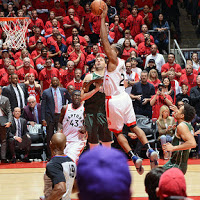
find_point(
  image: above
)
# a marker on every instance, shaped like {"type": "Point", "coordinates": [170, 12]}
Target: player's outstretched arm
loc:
{"type": "Point", "coordinates": [111, 54]}
{"type": "Point", "coordinates": [186, 135]}
{"type": "Point", "coordinates": [85, 94]}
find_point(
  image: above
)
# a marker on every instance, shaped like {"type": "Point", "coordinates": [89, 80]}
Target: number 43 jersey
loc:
{"type": "Point", "coordinates": [72, 122]}
{"type": "Point", "coordinates": [114, 81]}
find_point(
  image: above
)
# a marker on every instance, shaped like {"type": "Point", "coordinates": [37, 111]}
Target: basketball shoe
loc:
{"type": "Point", "coordinates": [138, 164]}
{"type": "Point", "coordinates": [153, 156]}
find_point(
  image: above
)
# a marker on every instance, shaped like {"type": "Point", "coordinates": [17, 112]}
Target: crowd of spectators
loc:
{"type": "Point", "coordinates": [62, 44]}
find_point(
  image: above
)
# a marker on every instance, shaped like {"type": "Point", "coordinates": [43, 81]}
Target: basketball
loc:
{"type": "Point", "coordinates": [97, 7]}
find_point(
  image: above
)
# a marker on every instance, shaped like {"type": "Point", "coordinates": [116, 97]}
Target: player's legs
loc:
{"type": "Point", "coordinates": [74, 149]}
{"type": "Point", "coordinates": [130, 120]}
{"type": "Point", "coordinates": [151, 154]}
{"type": "Point", "coordinates": [140, 134]}
{"type": "Point", "coordinates": [105, 135]}
{"type": "Point", "coordinates": [126, 147]}
{"type": "Point", "coordinates": [115, 118]}
{"type": "Point", "coordinates": [91, 128]}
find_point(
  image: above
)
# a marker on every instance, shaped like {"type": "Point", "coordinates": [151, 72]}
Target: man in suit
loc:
{"type": "Point", "coordinates": [32, 112]}
{"type": "Point", "coordinates": [18, 136]}
{"type": "Point", "coordinates": [53, 99]}
{"type": "Point", "coordinates": [16, 93]}
{"type": "Point", "coordinates": [5, 122]}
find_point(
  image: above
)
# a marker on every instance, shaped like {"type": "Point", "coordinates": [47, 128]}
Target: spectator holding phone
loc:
{"type": "Point", "coordinates": [160, 99]}
{"type": "Point", "coordinates": [166, 128]}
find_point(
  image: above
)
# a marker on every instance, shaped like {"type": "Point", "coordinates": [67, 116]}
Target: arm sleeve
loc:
{"type": "Point", "coordinates": [55, 172]}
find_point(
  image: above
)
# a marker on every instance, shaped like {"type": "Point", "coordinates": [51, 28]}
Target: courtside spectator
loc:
{"type": "Point", "coordinates": [42, 7]}
{"type": "Point", "coordinates": [4, 80]}
{"type": "Point", "coordinates": [127, 35]}
{"type": "Point", "coordinates": [195, 61]}
{"type": "Point", "coordinates": [69, 22]}
{"type": "Point", "coordinates": [184, 97]}
{"type": "Point", "coordinates": [158, 58]}
{"type": "Point", "coordinates": [33, 87]}
{"type": "Point", "coordinates": [189, 78]}
{"type": "Point", "coordinates": [117, 28]}
{"type": "Point", "coordinates": [78, 57]}
{"type": "Point", "coordinates": [159, 99]}
{"type": "Point", "coordinates": [20, 60]}
{"type": "Point", "coordinates": [127, 49]}
{"type": "Point", "coordinates": [34, 39]}
{"type": "Point", "coordinates": [18, 136]}
{"type": "Point", "coordinates": [16, 93]}
{"type": "Point", "coordinates": [139, 38]}
{"type": "Point", "coordinates": [79, 12]}
{"type": "Point", "coordinates": [134, 22]}
{"type": "Point", "coordinates": [59, 10]}
{"type": "Point", "coordinates": [171, 65]}
{"type": "Point", "coordinates": [68, 74]}
{"type": "Point", "coordinates": [161, 36]}
{"type": "Point", "coordinates": [131, 77]}
{"type": "Point", "coordinates": [49, 22]}
{"type": "Point", "coordinates": [47, 74]}
{"type": "Point", "coordinates": [107, 180]}
{"type": "Point", "coordinates": [147, 15]}
{"type": "Point", "coordinates": [151, 182]}
{"type": "Point", "coordinates": [172, 184]}
{"type": "Point", "coordinates": [40, 62]}
{"type": "Point", "coordinates": [195, 96]}
{"type": "Point", "coordinates": [142, 92]}
{"type": "Point", "coordinates": [25, 69]}
{"type": "Point", "coordinates": [35, 21]}
{"type": "Point", "coordinates": [77, 82]}
{"type": "Point", "coordinates": [37, 52]}
{"type": "Point", "coordinates": [32, 112]}
{"type": "Point", "coordinates": [134, 63]}
{"type": "Point", "coordinates": [123, 12]}
{"type": "Point", "coordinates": [153, 79]}
{"type": "Point", "coordinates": [81, 38]}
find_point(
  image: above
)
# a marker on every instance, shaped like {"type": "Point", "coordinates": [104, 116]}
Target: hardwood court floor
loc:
{"type": "Point", "coordinates": [27, 183]}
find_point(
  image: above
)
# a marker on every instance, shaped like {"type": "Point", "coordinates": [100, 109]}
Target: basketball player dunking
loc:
{"type": "Point", "coordinates": [119, 107]}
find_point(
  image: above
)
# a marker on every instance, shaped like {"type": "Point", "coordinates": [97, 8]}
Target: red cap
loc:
{"type": "Point", "coordinates": [172, 183]}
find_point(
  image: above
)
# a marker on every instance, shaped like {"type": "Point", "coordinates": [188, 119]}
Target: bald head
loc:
{"type": "Point", "coordinates": [58, 142]}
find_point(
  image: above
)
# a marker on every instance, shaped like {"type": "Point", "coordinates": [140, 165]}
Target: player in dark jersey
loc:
{"type": "Point", "coordinates": [183, 140]}
{"type": "Point", "coordinates": [95, 114]}
{"type": "Point", "coordinates": [60, 171]}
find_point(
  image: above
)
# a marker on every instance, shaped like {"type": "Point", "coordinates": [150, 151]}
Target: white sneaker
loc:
{"type": "Point", "coordinates": [153, 156]}
{"type": "Point", "coordinates": [138, 164]}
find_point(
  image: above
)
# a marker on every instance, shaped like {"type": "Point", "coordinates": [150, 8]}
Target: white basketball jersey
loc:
{"type": "Point", "coordinates": [114, 81]}
{"type": "Point", "coordinates": [72, 122]}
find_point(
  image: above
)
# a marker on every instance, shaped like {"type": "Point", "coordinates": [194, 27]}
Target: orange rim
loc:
{"type": "Point", "coordinates": [7, 19]}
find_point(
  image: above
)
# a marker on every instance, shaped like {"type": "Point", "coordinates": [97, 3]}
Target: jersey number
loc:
{"type": "Point", "coordinates": [121, 83]}
{"type": "Point", "coordinates": [71, 171]}
{"type": "Point", "coordinates": [74, 124]}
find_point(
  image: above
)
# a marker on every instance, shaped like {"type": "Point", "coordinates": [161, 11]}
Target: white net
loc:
{"type": "Point", "coordinates": [15, 31]}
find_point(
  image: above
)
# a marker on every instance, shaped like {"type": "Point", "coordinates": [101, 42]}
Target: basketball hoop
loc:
{"type": "Point", "coordinates": [15, 29]}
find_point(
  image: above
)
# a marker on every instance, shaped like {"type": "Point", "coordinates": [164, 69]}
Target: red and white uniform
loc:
{"type": "Point", "coordinates": [33, 92]}
{"type": "Point", "coordinates": [119, 107]}
{"type": "Point", "coordinates": [72, 122]}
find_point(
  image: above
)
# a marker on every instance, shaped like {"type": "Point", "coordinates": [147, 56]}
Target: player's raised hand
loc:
{"type": "Point", "coordinates": [173, 108]}
{"type": "Point", "coordinates": [105, 11]}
